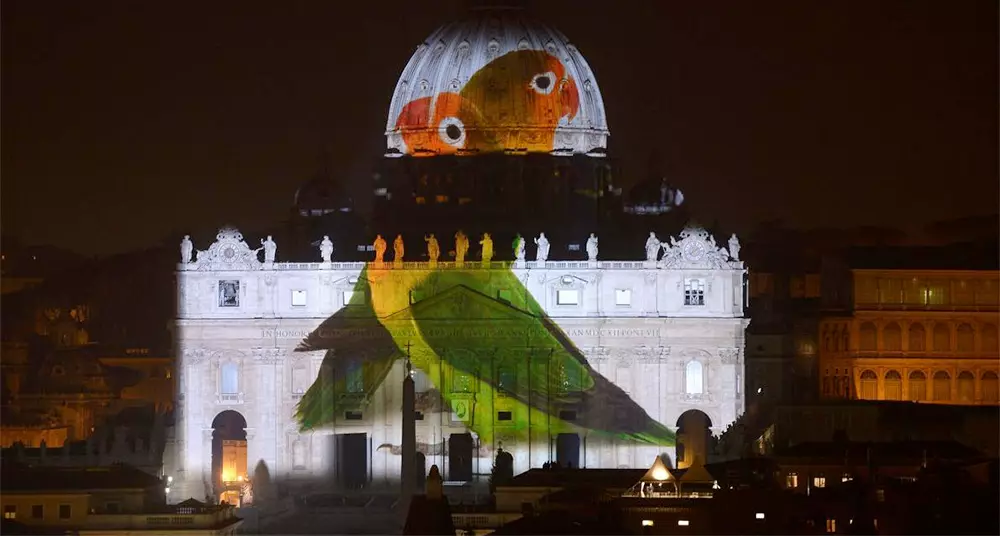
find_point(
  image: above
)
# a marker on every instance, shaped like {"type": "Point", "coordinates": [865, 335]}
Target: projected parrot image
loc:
{"type": "Point", "coordinates": [527, 91]}
{"type": "Point", "coordinates": [483, 342]}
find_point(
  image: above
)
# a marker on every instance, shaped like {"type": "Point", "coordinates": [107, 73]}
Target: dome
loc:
{"type": "Point", "coordinates": [493, 82]}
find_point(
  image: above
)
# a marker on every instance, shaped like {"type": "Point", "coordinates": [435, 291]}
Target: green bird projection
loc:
{"type": "Point", "coordinates": [461, 333]}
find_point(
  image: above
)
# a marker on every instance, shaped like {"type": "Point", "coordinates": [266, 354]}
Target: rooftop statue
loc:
{"type": "Point", "coordinates": [592, 248]}
{"type": "Point", "coordinates": [653, 246]}
{"type": "Point", "coordinates": [734, 247]}
{"type": "Point", "coordinates": [542, 254]}
{"type": "Point", "coordinates": [519, 247]}
{"type": "Point", "coordinates": [186, 248]}
{"type": "Point", "coordinates": [380, 247]}
{"type": "Point", "coordinates": [325, 248]}
{"type": "Point", "coordinates": [461, 246]}
{"type": "Point", "coordinates": [433, 249]}
{"type": "Point", "coordinates": [397, 248]}
{"type": "Point", "coordinates": [270, 249]}
{"type": "Point", "coordinates": [487, 243]}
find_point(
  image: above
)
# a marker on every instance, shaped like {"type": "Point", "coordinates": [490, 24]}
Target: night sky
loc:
{"type": "Point", "coordinates": [125, 123]}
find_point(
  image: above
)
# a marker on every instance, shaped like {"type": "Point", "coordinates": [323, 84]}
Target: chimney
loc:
{"type": "Point", "coordinates": [435, 486]}
{"type": "Point", "coordinates": [409, 461]}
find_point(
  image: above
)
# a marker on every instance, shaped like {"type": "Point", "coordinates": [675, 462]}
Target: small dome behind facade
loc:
{"type": "Point", "coordinates": [494, 82]}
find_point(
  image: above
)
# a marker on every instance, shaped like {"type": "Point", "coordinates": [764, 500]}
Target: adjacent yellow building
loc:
{"type": "Point", "coordinates": [915, 335]}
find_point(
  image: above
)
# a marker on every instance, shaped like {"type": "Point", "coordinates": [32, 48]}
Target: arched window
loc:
{"type": "Point", "coordinates": [966, 338]}
{"type": "Point", "coordinates": [298, 454]}
{"type": "Point", "coordinates": [942, 386]}
{"type": "Point", "coordinates": [892, 337]}
{"type": "Point", "coordinates": [868, 336]}
{"type": "Point", "coordinates": [918, 337]}
{"type": "Point", "coordinates": [942, 338]}
{"type": "Point", "coordinates": [869, 385]}
{"type": "Point", "coordinates": [918, 386]}
{"type": "Point", "coordinates": [989, 336]}
{"type": "Point", "coordinates": [694, 383]}
{"type": "Point", "coordinates": [966, 387]}
{"type": "Point", "coordinates": [229, 383]}
{"type": "Point", "coordinates": [991, 387]}
{"type": "Point", "coordinates": [893, 385]}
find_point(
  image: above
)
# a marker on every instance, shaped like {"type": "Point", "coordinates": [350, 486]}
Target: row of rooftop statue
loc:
{"type": "Point", "coordinates": [653, 248]}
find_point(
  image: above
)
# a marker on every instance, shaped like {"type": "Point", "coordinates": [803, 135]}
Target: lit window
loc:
{"type": "Point", "coordinates": [819, 482]}
{"type": "Point", "coordinates": [353, 298]}
{"type": "Point", "coordinates": [831, 525]}
{"type": "Point", "coordinates": [759, 515]}
{"type": "Point", "coordinates": [568, 297]}
{"type": "Point", "coordinates": [573, 247]}
{"type": "Point", "coordinates": [421, 200]}
{"type": "Point", "coordinates": [792, 480]}
{"type": "Point", "coordinates": [230, 378]}
{"type": "Point", "coordinates": [441, 199]}
{"type": "Point", "coordinates": [647, 522]}
{"type": "Point", "coordinates": [298, 298]}
{"type": "Point", "coordinates": [693, 378]}
{"type": "Point", "coordinates": [9, 511]}
{"type": "Point", "coordinates": [846, 478]}
{"type": "Point", "coordinates": [623, 296]}
{"type": "Point", "coordinates": [694, 292]}
{"type": "Point", "coordinates": [682, 523]}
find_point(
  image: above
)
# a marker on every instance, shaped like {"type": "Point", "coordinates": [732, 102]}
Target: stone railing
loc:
{"type": "Point", "coordinates": [221, 518]}
{"type": "Point", "coordinates": [468, 265]}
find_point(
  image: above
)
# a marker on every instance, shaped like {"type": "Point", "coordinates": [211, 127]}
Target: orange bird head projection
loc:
{"type": "Point", "coordinates": [524, 94]}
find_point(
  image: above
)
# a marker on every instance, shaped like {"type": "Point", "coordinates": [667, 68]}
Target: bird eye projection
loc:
{"type": "Point", "coordinates": [479, 357]}
{"type": "Point", "coordinates": [470, 91]}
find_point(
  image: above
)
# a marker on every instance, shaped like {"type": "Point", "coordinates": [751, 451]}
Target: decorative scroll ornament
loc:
{"type": "Point", "coordinates": [229, 253]}
{"type": "Point", "coordinates": [268, 356]}
{"type": "Point", "coordinates": [696, 249]}
{"type": "Point", "coordinates": [194, 356]}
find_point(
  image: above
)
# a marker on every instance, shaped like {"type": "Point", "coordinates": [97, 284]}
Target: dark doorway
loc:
{"type": "Point", "coordinates": [693, 437]}
{"type": "Point", "coordinates": [351, 453]}
{"type": "Point", "coordinates": [568, 450]}
{"type": "Point", "coordinates": [421, 468]}
{"type": "Point", "coordinates": [460, 447]}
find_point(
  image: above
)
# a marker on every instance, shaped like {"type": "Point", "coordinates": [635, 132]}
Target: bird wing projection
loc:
{"type": "Point", "coordinates": [525, 92]}
{"type": "Point", "coordinates": [467, 342]}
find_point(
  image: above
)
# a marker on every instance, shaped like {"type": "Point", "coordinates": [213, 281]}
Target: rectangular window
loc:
{"type": "Point", "coordinates": [694, 292]}
{"type": "Point", "coordinates": [9, 511]}
{"type": "Point", "coordinates": [355, 376]}
{"type": "Point", "coordinates": [792, 480]}
{"type": "Point", "coordinates": [421, 382]}
{"type": "Point", "coordinates": [819, 482]}
{"type": "Point", "coordinates": [506, 381]}
{"type": "Point", "coordinates": [65, 511]}
{"type": "Point", "coordinates": [567, 415]}
{"type": "Point", "coordinates": [229, 293]}
{"type": "Point", "coordinates": [112, 507]}
{"type": "Point", "coordinates": [353, 415]}
{"type": "Point", "coordinates": [300, 380]}
{"type": "Point", "coordinates": [623, 297]}
{"type": "Point", "coordinates": [831, 525]}
{"type": "Point", "coordinates": [298, 298]}
{"type": "Point", "coordinates": [461, 382]}
{"type": "Point", "coordinates": [568, 297]}
{"type": "Point", "coordinates": [230, 378]}
{"type": "Point", "coordinates": [504, 416]}
{"type": "Point", "coordinates": [353, 298]}
{"type": "Point", "coordinates": [37, 511]}
{"type": "Point", "coordinates": [504, 295]}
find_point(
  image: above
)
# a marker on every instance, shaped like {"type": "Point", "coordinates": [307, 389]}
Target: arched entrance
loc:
{"type": "Point", "coordinates": [693, 437]}
{"type": "Point", "coordinates": [230, 470]}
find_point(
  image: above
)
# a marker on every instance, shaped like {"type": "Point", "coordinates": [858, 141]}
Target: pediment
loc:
{"type": "Point", "coordinates": [460, 303]}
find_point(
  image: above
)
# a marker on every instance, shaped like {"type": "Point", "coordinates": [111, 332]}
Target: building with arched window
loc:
{"type": "Point", "coordinates": [926, 336]}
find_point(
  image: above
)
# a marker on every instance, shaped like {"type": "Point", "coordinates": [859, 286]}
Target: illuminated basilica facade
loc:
{"type": "Point", "coordinates": [496, 127]}
{"type": "Point", "coordinates": [668, 333]}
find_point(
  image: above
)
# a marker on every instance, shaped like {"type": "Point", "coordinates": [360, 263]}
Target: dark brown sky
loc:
{"type": "Point", "coordinates": [124, 122]}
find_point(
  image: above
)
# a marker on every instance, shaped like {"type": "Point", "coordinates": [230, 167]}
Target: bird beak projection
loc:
{"type": "Point", "coordinates": [474, 348]}
{"type": "Point", "coordinates": [519, 99]}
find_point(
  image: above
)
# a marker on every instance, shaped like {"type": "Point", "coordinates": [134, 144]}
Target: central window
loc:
{"type": "Point", "coordinates": [230, 380]}
{"type": "Point", "coordinates": [568, 297]}
{"type": "Point", "coordinates": [694, 292]}
{"type": "Point", "coordinates": [693, 378]}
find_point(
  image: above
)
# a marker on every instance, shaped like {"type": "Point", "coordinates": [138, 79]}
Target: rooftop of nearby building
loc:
{"type": "Point", "coordinates": [960, 256]}
{"type": "Point", "coordinates": [879, 452]}
{"type": "Point", "coordinates": [20, 478]}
